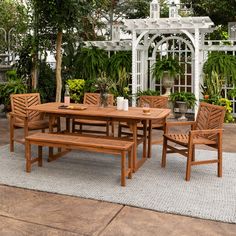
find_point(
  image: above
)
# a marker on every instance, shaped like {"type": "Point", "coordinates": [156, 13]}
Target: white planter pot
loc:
{"type": "Point", "coordinates": [183, 108]}
{"type": "Point", "coordinates": [167, 82]}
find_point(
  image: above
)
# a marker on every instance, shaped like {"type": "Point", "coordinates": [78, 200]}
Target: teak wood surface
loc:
{"type": "Point", "coordinates": [93, 99]}
{"type": "Point", "coordinates": [133, 116]}
{"type": "Point", "coordinates": [206, 130]}
{"type": "Point", "coordinates": [87, 143]}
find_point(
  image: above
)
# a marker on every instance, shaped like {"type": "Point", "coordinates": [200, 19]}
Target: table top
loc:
{"type": "Point", "coordinates": [135, 113]}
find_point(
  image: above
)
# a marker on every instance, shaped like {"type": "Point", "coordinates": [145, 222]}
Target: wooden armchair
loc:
{"type": "Point", "coordinates": [92, 99]}
{"type": "Point", "coordinates": [153, 102]}
{"type": "Point", "coordinates": [20, 117]}
{"type": "Point", "coordinates": [206, 130]}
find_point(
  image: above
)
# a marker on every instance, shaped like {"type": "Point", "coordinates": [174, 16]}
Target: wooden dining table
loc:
{"type": "Point", "coordinates": [133, 116]}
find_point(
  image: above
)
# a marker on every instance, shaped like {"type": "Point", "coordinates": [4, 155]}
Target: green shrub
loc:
{"type": "Point", "coordinates": [148, 92]}
{"type": "Point", "coordinates": [232, 93]}
{"type": "Point", "coordinates": [46, 83]}
{"type": "Point", "coordinates": [12, 86]}
{"type": "Point", "coordinates": [228, 106]}
{"type": "Point", "coordinates": [76, 87]}
{"type": "Point", "coordinates": [121, 86]}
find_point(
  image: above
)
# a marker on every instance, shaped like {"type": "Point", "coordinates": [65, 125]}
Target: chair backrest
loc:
{"type": "Point", "coordinates": [94, 99]}
{"type": "Point", "coordinates": [20, 103]}
{"type": "Point", "coordinates": [210, 117]}
{"type": "Point", "coordinates": [153, 101]}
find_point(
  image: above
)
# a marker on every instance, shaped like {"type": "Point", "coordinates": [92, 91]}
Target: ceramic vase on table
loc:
{"type": "Point", "coordinates": [103, 99]}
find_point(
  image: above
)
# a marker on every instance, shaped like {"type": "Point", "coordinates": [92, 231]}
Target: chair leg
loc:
{"type": "Point", "coordinates": [193, 153]}
{"type": "Point", "coordinates": [11, 135]}
{"type": "Point", "coordinates": [59, 125]}
{"type": "Point", "coordinates": [189, 160]}
{"type": "Point", "coordinates": [220, 156]}
{"type": "Point", "coordinates": [164, 149]}
{"type": "Point", "coordinates": [119, 130]}
{"type": "Point", "coordinates": [80, 128]}
{"type": "Point", "coordinates": [73, 125]}
{"type": "Point", "coordinates": [107, 128]}
{"type": "Point", "coordinates": [113, 129]}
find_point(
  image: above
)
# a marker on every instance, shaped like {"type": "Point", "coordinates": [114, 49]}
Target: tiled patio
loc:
{"type": "Point", "coordinates": [26, 212]}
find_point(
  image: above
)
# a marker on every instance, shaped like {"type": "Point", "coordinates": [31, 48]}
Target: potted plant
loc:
{"type": "Point", "coordinates": [104, 84]}
{"type": "Point", "coordinates": [183, 100]}
{"type": "Point", "coordinates": [212, 88]}
{"type": "Point", "coordinates": [13, 85]}
{"type": "Point", "coordinates": [120, 86]}
{"type": "Point", "coordinates": [166, 70]}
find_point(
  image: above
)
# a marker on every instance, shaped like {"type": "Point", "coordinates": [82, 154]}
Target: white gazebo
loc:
{"type": "Point", "coordinates": [177, 36]}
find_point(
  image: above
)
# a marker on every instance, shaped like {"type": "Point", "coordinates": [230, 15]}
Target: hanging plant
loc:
{"type": "Point", "coordinates": [223, 64]}
{"type": "Point", "coordinates": [118, 62]}
{"type": "Point", "coordinates": [91, 61]}
{"type": "Point", "coordinates": [166, 65]}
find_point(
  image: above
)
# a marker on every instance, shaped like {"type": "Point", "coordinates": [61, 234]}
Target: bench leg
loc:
{"type": "Point", "coordinates": [130, 163]}
{"type": "Point", "coordinates": [123, 170]}
{"type": "Point", "coordinates": [28, 156]}
{"type": "Point", "coordinates": [40, 155]}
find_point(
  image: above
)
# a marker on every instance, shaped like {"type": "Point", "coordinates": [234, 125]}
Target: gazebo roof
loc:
{"type": "Point", "coordinates": [170, 25]}
{"type": "Point", "coordinates": [154, 26]}
{"type": "Point", "coordinates": [122, 45]}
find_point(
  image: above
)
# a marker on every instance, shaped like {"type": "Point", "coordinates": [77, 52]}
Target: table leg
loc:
{"type": "Point", "coordinates": [149, 139]}
{"type": "Point", "coordinates": [138, 163]}
{"type": "Point", "coordinates": [144, 139]}
{"type": "Point", "coordinates": [51, 121]}
{"type": "Point", "coordinates": [135, 137]}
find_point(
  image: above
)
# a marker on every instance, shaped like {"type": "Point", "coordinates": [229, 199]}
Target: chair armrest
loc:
{"type": "Point", "coordinates": [176, 124]}
{"type": "Point", "coordinates": [17, 115]}
{"type": "Point", "coordinates": [206, 131]}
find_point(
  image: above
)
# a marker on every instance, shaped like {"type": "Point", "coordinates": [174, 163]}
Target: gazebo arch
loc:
{"type": "Point", "coordinates": [144, 31]}
{"type": "Point", "coordinates": [181, 49]}
{"type": "Point", "coordinates": [190, 30]}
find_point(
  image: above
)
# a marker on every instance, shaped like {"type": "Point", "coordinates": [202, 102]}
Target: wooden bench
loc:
{"type": "Point", "coordinates": [87, 143]}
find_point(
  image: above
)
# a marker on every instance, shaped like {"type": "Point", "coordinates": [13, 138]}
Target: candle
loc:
{"type": "Point", "coordinates": [125, 105]}
{"type": "Point", "coordinates": [119, 101]}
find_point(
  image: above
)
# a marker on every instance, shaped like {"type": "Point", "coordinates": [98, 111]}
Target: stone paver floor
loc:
{"type": "Point", "coordinates": [26, 212]}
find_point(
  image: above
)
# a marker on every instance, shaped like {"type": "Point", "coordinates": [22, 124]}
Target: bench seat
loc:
{"type": "Point", "coordinates": [107, 145]}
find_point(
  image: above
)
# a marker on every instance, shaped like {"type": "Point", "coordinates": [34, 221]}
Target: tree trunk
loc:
{"type": "Point", "coordinates": [58, 66]}
{"type": "Point", "coordinates": [34, 73]}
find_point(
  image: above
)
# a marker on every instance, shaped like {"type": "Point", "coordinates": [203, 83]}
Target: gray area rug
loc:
{"type": "Point", "coordinates": [97, 176]}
